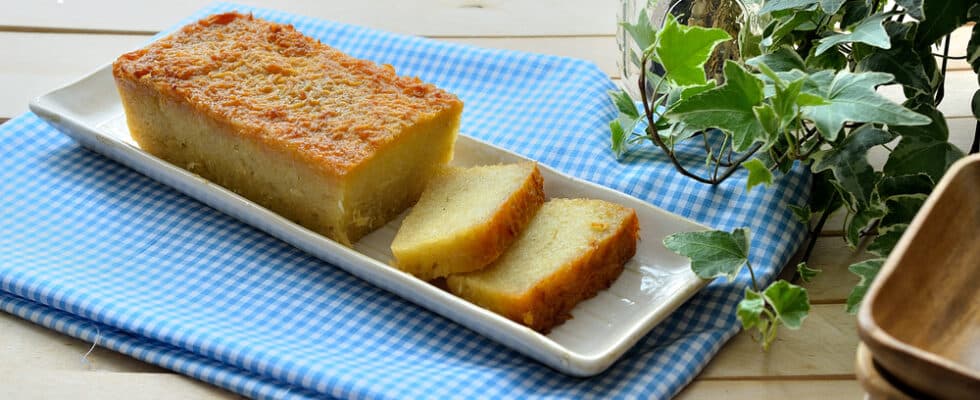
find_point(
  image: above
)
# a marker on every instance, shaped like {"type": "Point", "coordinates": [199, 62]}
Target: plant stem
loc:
{"type": "Point", "coordinates": [745, 156]}
{"type": "Point", "coordinates": [718, 162]}
{"type": "Point", "coordinates": [755, 285]}
{"type": "Point", "coordinates": [769, 331]}
{"type": "Point", "coordinates": [707, 149]}
{"type": "Point", "coordinates": [941, 91]}
{"type": "Point", "coordinates": [655, 136]}
{"type": "Point", "coordinates": [814, 234]}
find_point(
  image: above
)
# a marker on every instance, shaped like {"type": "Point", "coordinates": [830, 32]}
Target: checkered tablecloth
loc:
{"type": "Point", "coordinates": [93, 249]}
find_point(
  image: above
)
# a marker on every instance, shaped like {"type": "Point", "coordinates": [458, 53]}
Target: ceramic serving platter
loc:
{"type": "Point", "coordinates": [653, 285]}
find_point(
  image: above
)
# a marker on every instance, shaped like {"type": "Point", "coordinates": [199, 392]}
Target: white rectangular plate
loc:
{"type": "Point", "coordinates": [654, 284]}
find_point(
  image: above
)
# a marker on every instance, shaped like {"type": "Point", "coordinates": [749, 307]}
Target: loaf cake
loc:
{"type": "Point", "coordinates": [571, 249]}
{"type": "Point", "coordinates": [338, 144]}
{"type": "Point", "coordinates": [466, 218]}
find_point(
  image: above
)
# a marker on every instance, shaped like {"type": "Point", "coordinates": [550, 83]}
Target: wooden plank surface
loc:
{"type": "Point", "coordinates": [19, 383]}
{"type": "Point", "coordinates": [830, 388]}
{"type": "Point", "coordinates": [445, 18]}
{"type": "Point", "coordinates": [40, 62]}
{"type": "Point", "coordinates": [823, 347]}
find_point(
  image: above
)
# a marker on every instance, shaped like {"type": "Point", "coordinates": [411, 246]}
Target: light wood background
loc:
{"type": "Point", "coordinates": [51, 43]}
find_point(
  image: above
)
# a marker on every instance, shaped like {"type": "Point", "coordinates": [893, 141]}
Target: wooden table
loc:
{"type": "Point", "coordinates": [47, 44]}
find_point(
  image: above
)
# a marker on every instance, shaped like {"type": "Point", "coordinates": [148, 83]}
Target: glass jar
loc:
{"type": "Point", "coordinates": [734, 16]}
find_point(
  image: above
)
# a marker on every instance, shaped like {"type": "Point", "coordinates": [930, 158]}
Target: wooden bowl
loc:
{"type": "Point", "coordinates": [876, 385]}
{"type": "Point", "coordinates": [921, 316]}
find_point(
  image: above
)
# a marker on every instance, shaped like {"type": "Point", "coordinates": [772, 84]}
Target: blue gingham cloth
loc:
{"type": "Point", "coordinates": [93, 249]}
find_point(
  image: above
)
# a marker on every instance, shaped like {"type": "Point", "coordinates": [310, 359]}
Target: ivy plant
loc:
{"type": "Point", "coordinates": [804, 91]}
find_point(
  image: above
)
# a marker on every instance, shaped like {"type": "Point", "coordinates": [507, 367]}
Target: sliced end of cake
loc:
{"type": "Point", "coordinates": [466, 218]}
{"type": "Point", "coordinates": [571, 249]}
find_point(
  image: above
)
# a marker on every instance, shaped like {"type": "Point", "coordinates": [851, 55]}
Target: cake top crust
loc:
{"type": "Point", "coordinates": [283, 88]}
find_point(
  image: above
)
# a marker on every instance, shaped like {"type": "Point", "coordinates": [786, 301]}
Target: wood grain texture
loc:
{"type": "Point", "coordinates": [25, 343]}
{"type": "Point", "coordinates": [19, 383]}
{"type": "Point", "coordinates": [822, 389]}
{"type": "Point", "coordinates": [921, 317]}
{"type": "Point", "coordinates": [36, 63]}
{"type": "Point", "coordinates": [455, 18]}
{"type": "Point", "coordinates": [833, 284]}
{"type": "Point", "coordinates": [39, 62]}
{"type": "Point", "coordinates": [824, 346]}
{"type": "Point", "coordinates": [875, 384]}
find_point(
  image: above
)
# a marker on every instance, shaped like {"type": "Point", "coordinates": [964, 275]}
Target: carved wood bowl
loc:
{"type": "Point", "coordinates": [921, 316]}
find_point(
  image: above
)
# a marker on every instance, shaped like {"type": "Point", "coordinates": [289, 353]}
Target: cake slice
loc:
{"type": "Point", "coordinates": [571, 249]}
{"type": "Point", "coordinates": [337, 144]}
{"type": "Point", "coordinates": [466, 218]}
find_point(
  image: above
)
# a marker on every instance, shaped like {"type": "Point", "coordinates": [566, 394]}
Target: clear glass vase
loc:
{"type": "Point", "coordinates": [734, 16]}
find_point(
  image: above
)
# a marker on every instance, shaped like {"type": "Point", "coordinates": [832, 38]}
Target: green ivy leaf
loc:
{"type": "Point", "coordinates": [806, 273]}
{"type": "Point", "coordinates": [712, 253]}
{"type": "Point", "coordinates": [678, 132]}
{"type": "Point", "coordinates": [817, 83]}
{"type": "Point", "coordinates": [901, 209]}
{"type": "Point", "coordinates": [904, 184]}
{"type": "Point", "coordinates": [802, 214]}
{"type": "Point", "coordinates": [618, 136]}
{"type": "Point", "coordinates": [975, 104]}
{"type": "Point", "coordinates": [785, 102]}
{"type": "Point", "coordinates": [785, 164]}
{"type": "Point", "coordinates": [869, 31]}
{"type": "Point", "coordinates": [624, 103]}
{"type": "Point", "coordinates": [854, 11]}
{"type": "Point", "coordinates": [902, 62]}
{"type": "Point", "coordinates": [887, 239]}
{"type": "Point", "coordinates": [683, 50]}
{"type": "Point", "coordinates": [784, 27]}
{"type": "Point", "coordinates": [939, 19]}
{"type": "Point", "coordinates": [790, 302]}
{"type": "Point", "coordinates": [782, 59]}
{"type": "Point", "coordinates": [749, 43]}
{"type": "Point", "coordinates": [973, 50]}
{"type": "Point", "coordinates": [750, 309]}
{"type": "Point", "coordinates": [810, 99]}
{"type": "Point", "coordinates": [923, 148]}
{"type": "Point", "coordinates": [847, 198]}
{"type": "Point", "coordinates": [867, 270]}
{"type": "Point", "coordinates": [849, 161]}
{"type": "Point", "coordinates": [779, 5]}
{"type": "Point", "coordinates": [823, 196]}
{"type": "Point", "coordinates": [832, 60]}
{"type": "Point", "coordinates": [642, 32]}
{"type": "Point", "coordinates": [912, 8]}
{"type": "Point", "coordinates": [769, 120]}
{"type": "Point", "coordinates": [861, 220]}
{"type": "Point", "coordinates": [657, 84]}
{"type": "Point", "coordinates": [728, 107]}
{"type": "Point", "coordinates": [758, 174]}
{"type": "Point", "coordinates": [831, 6]}
{"type": "Point", "coordinates": [852, 97]}
{"type": "Point", "coordinates": [689, 91]}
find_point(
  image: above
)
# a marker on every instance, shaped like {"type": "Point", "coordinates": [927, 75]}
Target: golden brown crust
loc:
{"type": "Point", "coordinates": [479, 247]}
{"type": "Point", "coordinates": [285, 90]}
{"type": "Point", "coordinates": [550, 302]}
{"type": "Point", "coordinates": [509, 221]}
